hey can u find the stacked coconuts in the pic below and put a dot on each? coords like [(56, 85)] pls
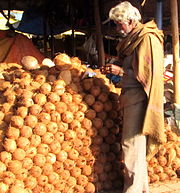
[(165, 165), (59, 132), (166, 162)]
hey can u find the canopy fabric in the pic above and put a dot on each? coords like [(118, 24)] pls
[(13, 46), (33, 23)]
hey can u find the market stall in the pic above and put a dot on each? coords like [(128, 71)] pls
[(60, 126)]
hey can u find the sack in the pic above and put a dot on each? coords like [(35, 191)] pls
[(90, 46)]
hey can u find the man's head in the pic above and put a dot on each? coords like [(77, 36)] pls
[(125, 17)]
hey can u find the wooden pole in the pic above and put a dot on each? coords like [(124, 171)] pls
[(52, 41), (72, 28), (175, 42), (100, 45), (45, 35)]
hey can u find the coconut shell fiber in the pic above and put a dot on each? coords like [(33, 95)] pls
[(14, 46)]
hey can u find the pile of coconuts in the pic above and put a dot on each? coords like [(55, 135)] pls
[(165, 164), (60, 128)]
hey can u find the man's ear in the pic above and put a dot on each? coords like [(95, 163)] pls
[(130, 22)]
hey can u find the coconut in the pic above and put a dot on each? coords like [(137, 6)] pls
[(30, 63)]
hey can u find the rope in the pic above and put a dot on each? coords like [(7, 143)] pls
[(142, 4)]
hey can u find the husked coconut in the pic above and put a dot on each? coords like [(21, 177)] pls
[(30, 63)]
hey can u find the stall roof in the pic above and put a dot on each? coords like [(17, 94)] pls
[(79, 13)]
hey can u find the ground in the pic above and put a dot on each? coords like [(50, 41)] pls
[(172, 186)]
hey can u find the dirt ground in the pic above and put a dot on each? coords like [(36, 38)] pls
[(172, 186)]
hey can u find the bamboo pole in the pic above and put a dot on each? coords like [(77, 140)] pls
[(175, 42), (72, 29), (45, 36), (100, 45)]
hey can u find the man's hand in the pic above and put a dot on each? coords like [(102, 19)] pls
[(113, 69)]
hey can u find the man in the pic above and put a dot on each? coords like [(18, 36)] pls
[(141, 54)]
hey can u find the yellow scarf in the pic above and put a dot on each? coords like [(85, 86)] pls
[(146, 42)]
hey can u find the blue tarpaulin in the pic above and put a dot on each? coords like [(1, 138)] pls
[(33, 23)]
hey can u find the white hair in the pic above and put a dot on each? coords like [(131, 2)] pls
[(124, 12)]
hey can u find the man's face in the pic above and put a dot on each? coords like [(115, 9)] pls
[(124, 28)]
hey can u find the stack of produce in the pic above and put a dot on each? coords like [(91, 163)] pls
[(59, 132), (165, 164)]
